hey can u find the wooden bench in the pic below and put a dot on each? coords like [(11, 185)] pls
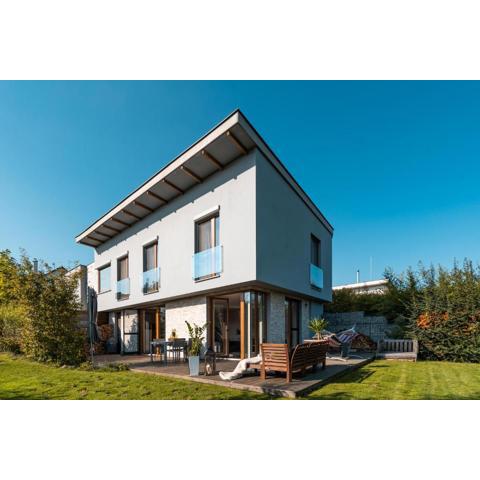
[(392, 349), (276, 357)]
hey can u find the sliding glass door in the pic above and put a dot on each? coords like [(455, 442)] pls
[(253, 323), (219, 340)]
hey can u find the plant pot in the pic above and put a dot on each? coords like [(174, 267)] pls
[(194, 366)]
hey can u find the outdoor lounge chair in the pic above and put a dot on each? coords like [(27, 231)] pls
[(276, 357), (343, 341)]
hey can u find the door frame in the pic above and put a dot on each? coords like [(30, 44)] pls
[(288, 320), (211, 325), (255, 320)]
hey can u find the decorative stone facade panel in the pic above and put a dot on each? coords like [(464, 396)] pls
[(192, 310), (276, 318)]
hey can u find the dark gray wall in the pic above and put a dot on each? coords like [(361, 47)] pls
[(284, 225)]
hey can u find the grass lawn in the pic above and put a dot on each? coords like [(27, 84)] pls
[(23, 379), (396, 380)]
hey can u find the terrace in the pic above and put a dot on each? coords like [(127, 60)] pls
[(274, 385)]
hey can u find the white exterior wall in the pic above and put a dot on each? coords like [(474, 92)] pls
[(192, 310), (265, 232), (284, 228), (233, 191)]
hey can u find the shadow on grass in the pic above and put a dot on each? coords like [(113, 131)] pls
[(347, 396)]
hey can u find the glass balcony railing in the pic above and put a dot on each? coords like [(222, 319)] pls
[(208, 263), (316, 276), (123, 288), (151, 280)]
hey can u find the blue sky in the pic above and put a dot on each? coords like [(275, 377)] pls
[(394, 166)]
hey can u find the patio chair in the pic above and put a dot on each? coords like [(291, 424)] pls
[(177, 348)]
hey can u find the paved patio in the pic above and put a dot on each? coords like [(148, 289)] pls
[(274, 384)]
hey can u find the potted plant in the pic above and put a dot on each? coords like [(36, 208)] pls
[(317, 325), (195, 332)]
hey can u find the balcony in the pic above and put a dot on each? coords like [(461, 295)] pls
[(316, 276), (123, 288), (151, 280), (208, 263)]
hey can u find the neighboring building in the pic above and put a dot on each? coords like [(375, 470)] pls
[(81, 292), (374, 286), (222, 235)]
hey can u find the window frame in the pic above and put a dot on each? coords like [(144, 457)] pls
[(289, 328), (154, 244), (214, 219), (214, 230), (99, 283), (316, 243), (120, 259)]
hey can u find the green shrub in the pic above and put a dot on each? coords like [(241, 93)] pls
[(317, 325), (444, 313), (11, 323), (40, 312), (51, 330), (437, 306), (195, 333)]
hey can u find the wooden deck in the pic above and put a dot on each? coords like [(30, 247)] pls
[(274, 385)]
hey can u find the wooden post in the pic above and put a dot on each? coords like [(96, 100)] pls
[(242, 325), (157, 327)]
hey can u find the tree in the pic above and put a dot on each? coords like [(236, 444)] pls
[(48, 305)]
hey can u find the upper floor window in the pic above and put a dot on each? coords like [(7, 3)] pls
[(207, 233), (150, 268), (316, 272), (315, 251), (207, 261), (123, 282), (104, 279), (150, 257)]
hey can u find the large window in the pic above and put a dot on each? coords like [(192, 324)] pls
[(123, 282), (207, 260), (104, 279), (315, 251), (151, 277)]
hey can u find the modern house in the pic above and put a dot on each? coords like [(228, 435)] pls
[(222, 235)]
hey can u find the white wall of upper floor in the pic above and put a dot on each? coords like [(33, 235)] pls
[(232, 190), (265, 233), (284, 228)]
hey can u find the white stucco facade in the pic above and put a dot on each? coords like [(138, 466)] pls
[(265, 231)]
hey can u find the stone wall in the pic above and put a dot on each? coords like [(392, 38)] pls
[(373, 327), (276, 318), (192, 309)]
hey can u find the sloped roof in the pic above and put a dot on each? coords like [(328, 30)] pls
[(232, 138)]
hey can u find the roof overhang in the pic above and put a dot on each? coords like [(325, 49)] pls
[(229, 140)]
